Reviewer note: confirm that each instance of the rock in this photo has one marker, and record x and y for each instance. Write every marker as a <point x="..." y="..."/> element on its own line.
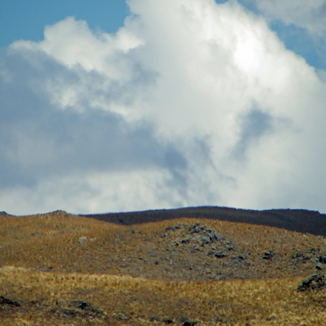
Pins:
<point x="268" y="254"/>
<point x="167" y="321"/>
<point x="220" y="255"/>
<point x="81" y="240"/>
<point x="70" y="312"/>
<point x="270" y="318"/>
<point x="313" y="282"/>
<point x="6" y="301"/>
<point x="205" y="240"/>
<point x="81" y="305"/>
<point x="313" y="250"/>
<point x="83" y="308"/>
<point x="301" y="257"/>
<point x="322" y="258"/>
<point x="320" y="266"/>
<point x="121" y="316"/>
<point x="196" y="248"/>
<point x="189" y="323"/>
<point x="196" y="228"/>
<point x="175" y="227"/>
<point x="124" y="265"/>
<point x="154" y="318"/>
<point x="43" y="268"/>
<point x="183" y="319"/>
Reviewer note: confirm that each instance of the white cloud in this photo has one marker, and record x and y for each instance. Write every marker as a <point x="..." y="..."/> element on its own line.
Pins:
<point x="310" y="15"/>
<point x="190" y="103"/>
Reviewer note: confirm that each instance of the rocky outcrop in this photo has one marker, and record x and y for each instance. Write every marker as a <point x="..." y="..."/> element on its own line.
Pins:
<point x="313" y="282"/>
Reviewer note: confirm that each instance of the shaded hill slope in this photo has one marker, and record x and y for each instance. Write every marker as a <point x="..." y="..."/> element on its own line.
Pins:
<point x="291" y="219"/>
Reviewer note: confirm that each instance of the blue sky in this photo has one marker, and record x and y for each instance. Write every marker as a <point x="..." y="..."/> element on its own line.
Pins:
<point x="25" y="19"/>
<point x="106" y="106"/>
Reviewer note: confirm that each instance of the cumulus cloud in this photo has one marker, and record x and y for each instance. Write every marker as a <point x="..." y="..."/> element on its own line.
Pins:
<point x="310" y="15"/>
<point x="189" y="103"/>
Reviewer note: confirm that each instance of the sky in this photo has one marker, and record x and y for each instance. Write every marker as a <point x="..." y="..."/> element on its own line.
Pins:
<point x="112" y="106"/>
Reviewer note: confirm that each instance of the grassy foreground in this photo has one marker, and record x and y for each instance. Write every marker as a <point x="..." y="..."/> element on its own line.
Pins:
<point x="47" y="298"/>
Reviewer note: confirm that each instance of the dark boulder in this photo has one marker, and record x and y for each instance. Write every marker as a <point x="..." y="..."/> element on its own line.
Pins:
<point x="268" y="254"/>
<point x="6" y="301"/>
<point x="167" y="321"/>
<point x="322" y="258"/>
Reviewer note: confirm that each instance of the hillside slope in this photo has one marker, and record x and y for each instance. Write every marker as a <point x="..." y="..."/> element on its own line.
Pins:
<point x="63" y="269"/>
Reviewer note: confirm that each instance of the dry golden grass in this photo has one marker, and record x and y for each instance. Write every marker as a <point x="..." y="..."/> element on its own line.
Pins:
<point x="236" y="302"/>
<point x="92" y="272"/>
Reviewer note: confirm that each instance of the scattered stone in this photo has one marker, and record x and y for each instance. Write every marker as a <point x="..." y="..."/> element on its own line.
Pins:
<point x="205" y="240"/>
<point x="183" y="319"/>
<point x="81" y="240"/>
<point x="322" y="258"/>
<point x="220" y="255"/>
<point x="167" y="320"/>
<point x="197" y="248"/>
<point x="320" y="266"/>
<point x="81" y="308"/>
<point x="43" y="268"/>
<point x="313" y="250"/>
<point x="301" y="257"/>
<point x="313" y="282"/>
<point x="121" y="316"/>
<point x="154" y="318"/>
<point x="6" y="301"/>
<point x="70" y="312"/>
<point x="81" y="305"/>
<point x="268" y="254"/>
<point x="175" y="227"/>
<point x="189" y="323"/>
<point x="196" y="228"/>
<point x="270" y="318"/>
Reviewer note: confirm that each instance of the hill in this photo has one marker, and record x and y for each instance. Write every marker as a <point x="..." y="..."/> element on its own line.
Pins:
<point x="64" y="269"/>
<point x="299" y="220"/>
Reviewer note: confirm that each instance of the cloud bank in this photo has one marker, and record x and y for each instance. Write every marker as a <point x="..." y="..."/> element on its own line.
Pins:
<point x="189" y="103"/>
